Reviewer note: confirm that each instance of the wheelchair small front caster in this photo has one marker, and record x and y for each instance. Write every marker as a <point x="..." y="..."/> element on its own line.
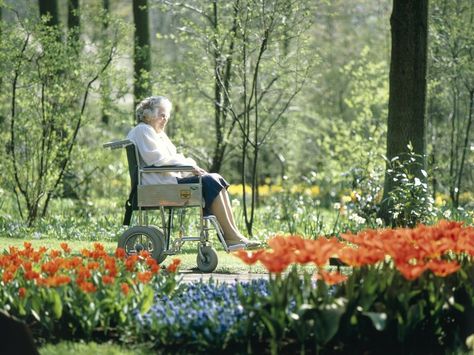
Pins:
<point x="207" y="258"/>
<point x="142" y="238"/>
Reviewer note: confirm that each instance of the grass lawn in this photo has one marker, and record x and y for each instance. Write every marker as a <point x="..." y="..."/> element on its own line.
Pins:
<point x="90" y="348"/>
<point x="228" y="263"/>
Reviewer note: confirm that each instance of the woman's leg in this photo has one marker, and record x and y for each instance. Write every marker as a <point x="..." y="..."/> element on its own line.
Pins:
<point x="228" y="208"/>
<point x="219" y="209"/>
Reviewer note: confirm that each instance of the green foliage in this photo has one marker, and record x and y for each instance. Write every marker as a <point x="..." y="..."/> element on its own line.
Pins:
<point x="91" y="348"/>
<point x="409" y="201"/>
<point x="293" y="309"/>
<point x="335" y="144"/>
<point x="48" y="83"/>
<point x="362" y="203"/>
<point x="451" y="97"/>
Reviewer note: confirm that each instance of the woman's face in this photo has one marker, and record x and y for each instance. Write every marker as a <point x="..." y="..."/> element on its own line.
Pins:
<point x="162" y="117"/>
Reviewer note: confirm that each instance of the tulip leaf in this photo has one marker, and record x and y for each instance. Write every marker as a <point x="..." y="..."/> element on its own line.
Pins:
<point x="327" y="322"/>
<point x="147" y="300"/>
<point x="21" y="309"/>
<point x="35" y="315"/>
<point x="57" y="305"/>
<point x="379" y="320"/>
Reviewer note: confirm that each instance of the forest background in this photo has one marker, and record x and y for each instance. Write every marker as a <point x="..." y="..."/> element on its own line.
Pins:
<point x="288" y="100"/>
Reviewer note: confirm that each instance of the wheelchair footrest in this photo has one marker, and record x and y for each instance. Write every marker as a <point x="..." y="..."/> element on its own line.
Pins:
<point x="236" y="247"/>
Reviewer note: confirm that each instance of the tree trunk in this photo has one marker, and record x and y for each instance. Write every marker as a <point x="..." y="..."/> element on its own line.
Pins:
<point x="406" y="109"/>
<point x="223" y="74"/>
<point x="73" y="19"/>
<point x="50" y="8"/>
<point x="142" y="58"/>
<point x="105" y="85"/>
<point x="465" y="148"/>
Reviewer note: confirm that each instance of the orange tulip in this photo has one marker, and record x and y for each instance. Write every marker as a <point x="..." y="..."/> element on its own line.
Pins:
<point x="331" y="278"/>
<point x="7" y="276"/>
<point x="54" y="253"/>
<point x="87" y="287"/>
<point x="249" y="257"/>
<point x="130" y="262"/>
<point x="53" y="281"/>
<point x="411" y="272"/>
<point x="144" y="277"/>
<point x="31" y="275"/>
<point x="50" y="267"/>
<point x="174" y="265"/>
<point x="275" y="262"/>
<point x="93" y="265"/>
<point x="65" y="248"/>
<point x="125" y="288"/>
<point x="442" y="267"/>
<point x="107" y="279"/>
<point x="120" y="253"/>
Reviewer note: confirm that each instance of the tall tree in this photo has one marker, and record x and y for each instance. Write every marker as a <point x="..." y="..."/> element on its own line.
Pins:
<point x="142" y="58"/>
<point x="451" y="103"/>
<point x="105" y="85"/>
<point x="406" y="108"/>
<point x="49" y="8"/>
<point x="73" y="19"/>
<point x="45" y="116"/>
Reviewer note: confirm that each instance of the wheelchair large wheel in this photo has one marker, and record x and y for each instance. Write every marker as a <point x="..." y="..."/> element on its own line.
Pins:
<point x="208" y="261"/>
<point x="163" y="256"/>
<point x="141" y="238"/>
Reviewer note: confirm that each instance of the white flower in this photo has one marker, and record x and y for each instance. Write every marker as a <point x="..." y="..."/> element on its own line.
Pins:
<point x="379" y="222"/>
<point x="357" y="219"/>
<point x="447" y="214"/>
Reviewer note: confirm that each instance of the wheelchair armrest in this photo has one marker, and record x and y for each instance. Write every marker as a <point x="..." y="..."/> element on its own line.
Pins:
<point x="117" y="144"/>
<point x="167" y="169"/>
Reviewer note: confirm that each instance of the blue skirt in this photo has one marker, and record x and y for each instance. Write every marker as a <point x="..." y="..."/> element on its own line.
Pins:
<point x="212" y="185"/>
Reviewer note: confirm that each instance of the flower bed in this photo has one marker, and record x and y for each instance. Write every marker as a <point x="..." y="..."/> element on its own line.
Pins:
<point x="200" y="317"/>
<point x="405" y="291"/>
<point x="409" y="290"/>
<point x="59" y="294"/>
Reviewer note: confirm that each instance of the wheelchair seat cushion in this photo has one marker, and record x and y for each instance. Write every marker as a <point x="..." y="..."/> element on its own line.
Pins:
<point x="212" y="185"/>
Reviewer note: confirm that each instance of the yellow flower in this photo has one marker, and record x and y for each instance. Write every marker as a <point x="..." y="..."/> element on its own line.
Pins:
<point x="439" y="200"/>
<point x="346" y="199"/>
<point x="264" y="190"/>
<point x="315" y="190"/>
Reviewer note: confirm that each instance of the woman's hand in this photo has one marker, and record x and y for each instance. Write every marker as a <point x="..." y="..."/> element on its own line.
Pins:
<point x="198" y="171"/>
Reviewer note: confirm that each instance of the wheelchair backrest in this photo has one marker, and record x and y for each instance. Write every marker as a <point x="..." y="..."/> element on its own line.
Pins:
<point x="133" y="172"/>
<point x="132" y="164"/>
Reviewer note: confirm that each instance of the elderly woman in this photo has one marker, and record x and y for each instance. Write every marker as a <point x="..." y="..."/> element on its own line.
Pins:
<point x="156" y="149"/>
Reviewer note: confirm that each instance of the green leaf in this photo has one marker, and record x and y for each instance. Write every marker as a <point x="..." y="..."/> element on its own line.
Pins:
<point x="327" y="323"/>
<point x="57" y="304"/>
<point x="147" y="300"/>
<point x="36" y="315"/>
<point x="379" y="320"/>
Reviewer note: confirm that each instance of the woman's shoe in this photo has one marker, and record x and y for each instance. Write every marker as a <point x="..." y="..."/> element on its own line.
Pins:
<point x="242" y="243"/>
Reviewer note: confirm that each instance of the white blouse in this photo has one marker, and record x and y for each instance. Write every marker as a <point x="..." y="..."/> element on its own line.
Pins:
<point x="157" y="149"/>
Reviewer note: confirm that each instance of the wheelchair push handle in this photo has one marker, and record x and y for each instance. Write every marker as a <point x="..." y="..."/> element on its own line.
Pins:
<point x="117" y="144"/>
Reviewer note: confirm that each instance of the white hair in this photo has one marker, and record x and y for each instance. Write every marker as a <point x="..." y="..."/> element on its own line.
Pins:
<point x="146" y="110"/>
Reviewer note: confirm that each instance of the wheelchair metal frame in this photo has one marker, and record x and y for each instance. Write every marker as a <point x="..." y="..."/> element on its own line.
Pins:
<point x="189" y="198"/>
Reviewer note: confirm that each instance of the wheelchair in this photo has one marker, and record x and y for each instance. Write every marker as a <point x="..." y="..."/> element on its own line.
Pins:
<point x="166" y="198"/>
